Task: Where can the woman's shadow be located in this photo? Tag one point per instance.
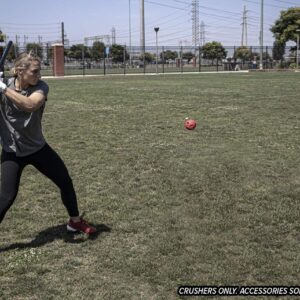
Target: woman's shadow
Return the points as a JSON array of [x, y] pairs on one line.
[[57, 233]]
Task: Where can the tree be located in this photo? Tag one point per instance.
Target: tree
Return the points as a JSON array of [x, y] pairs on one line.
[[285, 27], [188, 55], [35, 48], [278, 50], [12, 52], [97, 51], [214, 50], [149, 57], [117, 53], [243, 53], [266, 56], [169, 55], [76, 52], [2, 37]]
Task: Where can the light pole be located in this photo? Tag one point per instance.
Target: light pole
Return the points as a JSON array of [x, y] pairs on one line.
[[142, 20], [297, 51], [261, 37], [129, 34], [156, 31]]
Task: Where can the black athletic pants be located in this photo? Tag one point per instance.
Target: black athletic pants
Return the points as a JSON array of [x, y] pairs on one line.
[[47, 162]]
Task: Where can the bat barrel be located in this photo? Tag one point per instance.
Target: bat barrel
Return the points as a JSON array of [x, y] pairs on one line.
[[4, 55]]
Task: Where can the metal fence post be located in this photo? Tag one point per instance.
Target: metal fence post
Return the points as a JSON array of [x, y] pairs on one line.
[[267, 59], [83, 63], [144, 61], [181, 62], [124, 59], [163, 58], [104, 58], [47, 53], [199, 59]]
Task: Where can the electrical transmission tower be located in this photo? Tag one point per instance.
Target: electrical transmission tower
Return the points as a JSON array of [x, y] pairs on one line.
[[244, 28], [113, 36], [195, 22], [202, 34]]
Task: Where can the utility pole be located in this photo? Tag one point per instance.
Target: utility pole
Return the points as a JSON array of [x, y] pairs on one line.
[[62, 33], [244, 28], [261, 37], [129, 33], [142, 20]]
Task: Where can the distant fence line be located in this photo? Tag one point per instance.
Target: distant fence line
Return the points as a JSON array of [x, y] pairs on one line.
[[161, 59]]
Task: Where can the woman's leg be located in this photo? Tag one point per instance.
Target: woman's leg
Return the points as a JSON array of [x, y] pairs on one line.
[[48, 162], [11, 170]]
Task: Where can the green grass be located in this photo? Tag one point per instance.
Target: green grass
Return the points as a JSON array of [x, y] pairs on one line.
[[218, 205]]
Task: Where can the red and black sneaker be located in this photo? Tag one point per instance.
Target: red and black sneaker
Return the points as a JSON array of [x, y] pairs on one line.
[[81, 226]]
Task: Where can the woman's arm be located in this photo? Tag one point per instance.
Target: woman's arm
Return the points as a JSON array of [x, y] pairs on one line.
[[28, 104]]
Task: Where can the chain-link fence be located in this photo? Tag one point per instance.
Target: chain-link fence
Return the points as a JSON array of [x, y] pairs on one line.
[[118, 59], [125, 60]]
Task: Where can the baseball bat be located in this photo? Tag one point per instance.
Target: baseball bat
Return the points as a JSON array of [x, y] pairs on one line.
[[5, 53]]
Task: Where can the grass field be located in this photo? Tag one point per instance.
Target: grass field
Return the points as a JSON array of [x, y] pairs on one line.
[[218, 205]]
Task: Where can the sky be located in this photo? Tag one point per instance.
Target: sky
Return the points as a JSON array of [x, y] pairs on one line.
[[36, 20]]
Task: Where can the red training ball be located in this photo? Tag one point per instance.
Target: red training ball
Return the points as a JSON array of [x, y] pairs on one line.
[[190, 124]]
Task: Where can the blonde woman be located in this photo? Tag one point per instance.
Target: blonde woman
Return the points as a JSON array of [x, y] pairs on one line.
[[22, 104]]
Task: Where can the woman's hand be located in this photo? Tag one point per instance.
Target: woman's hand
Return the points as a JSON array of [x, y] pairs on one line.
[[3, 87]]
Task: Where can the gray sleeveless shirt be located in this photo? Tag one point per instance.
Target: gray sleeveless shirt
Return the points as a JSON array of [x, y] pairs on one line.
[[21, 131]]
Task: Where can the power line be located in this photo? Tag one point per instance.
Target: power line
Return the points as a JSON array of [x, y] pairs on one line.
[[224, 16], [166, 20], [184, 2], [165, 5], [19, 24], [270, 5], [288, 2], [36, 33]]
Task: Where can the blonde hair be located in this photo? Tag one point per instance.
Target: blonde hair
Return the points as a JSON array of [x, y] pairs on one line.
[[23, 62]]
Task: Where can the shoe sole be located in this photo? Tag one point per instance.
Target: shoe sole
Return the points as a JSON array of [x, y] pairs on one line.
[[71, 229]]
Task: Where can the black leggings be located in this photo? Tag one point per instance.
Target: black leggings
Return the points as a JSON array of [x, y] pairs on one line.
[[47, 162]]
